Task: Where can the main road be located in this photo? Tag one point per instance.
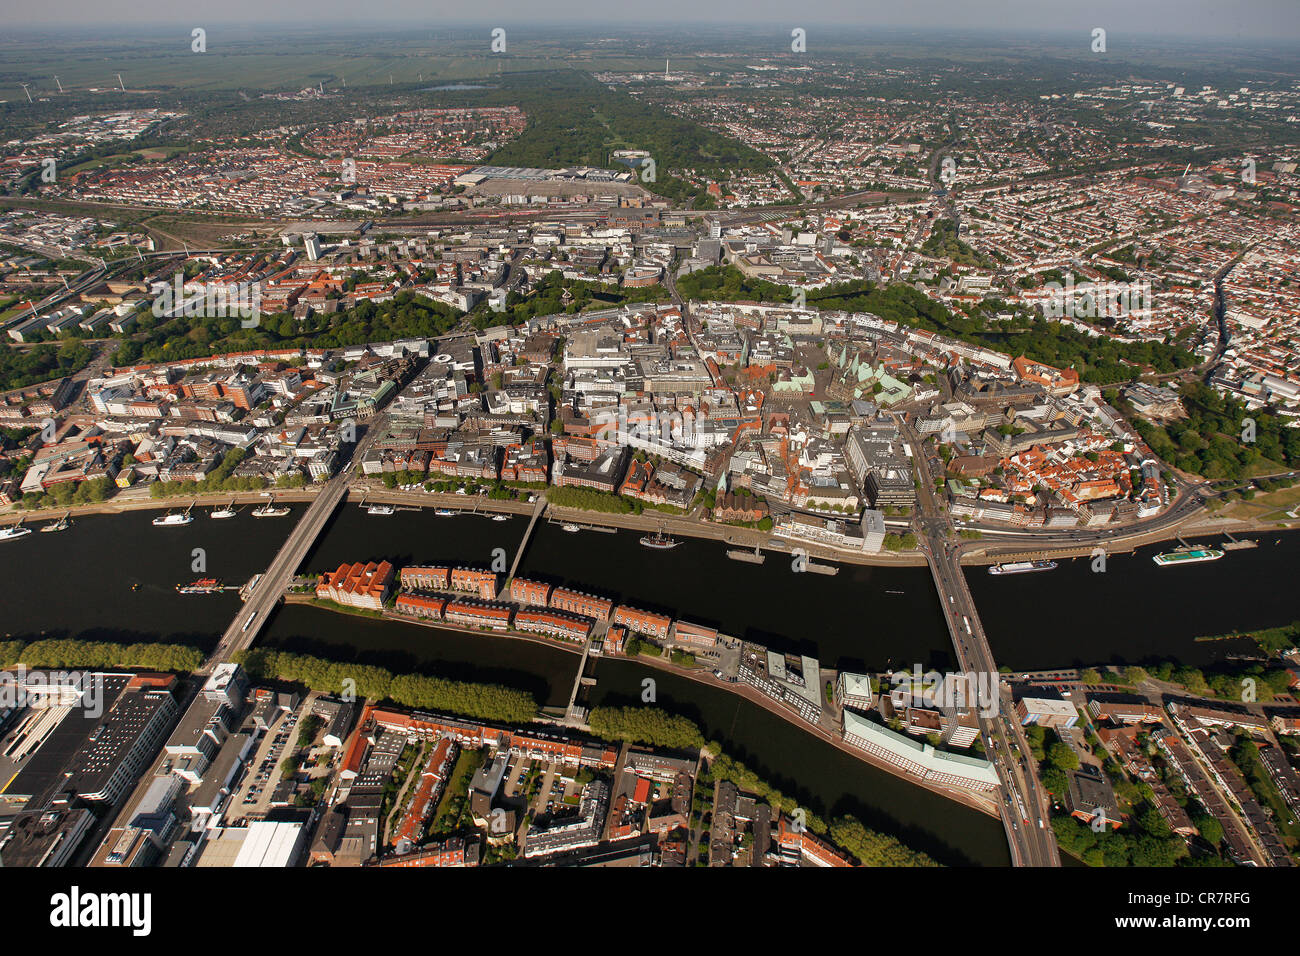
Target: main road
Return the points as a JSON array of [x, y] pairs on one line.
[[1024, 807]]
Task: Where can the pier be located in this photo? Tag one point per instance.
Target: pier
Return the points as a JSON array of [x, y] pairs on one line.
[[584, 525]]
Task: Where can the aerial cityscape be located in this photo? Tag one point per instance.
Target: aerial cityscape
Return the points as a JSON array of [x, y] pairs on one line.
[[513, 445]]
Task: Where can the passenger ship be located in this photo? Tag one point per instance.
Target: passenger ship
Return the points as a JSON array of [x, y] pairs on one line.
[[1022, 567]]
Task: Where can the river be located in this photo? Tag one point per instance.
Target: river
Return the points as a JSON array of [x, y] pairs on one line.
[[78, 583]]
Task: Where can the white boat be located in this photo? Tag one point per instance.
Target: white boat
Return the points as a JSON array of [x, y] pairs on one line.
[[1187, 555], [444, 512], [1022, 567], [269, 510], [381, 510], [571, 528], [500, 517], [14, 531], [227, 512], [172, 520]]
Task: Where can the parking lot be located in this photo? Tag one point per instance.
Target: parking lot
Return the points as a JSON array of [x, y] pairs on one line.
[[253, 798]]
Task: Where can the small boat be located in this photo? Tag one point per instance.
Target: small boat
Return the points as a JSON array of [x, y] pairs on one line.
[[1022, 567], [227, 512], [269, 510], [171, 520], [659, 541], [444, 512], [381, 510], [63, 524], [500, 517], [571, 528], [14, 531], [201, 586]]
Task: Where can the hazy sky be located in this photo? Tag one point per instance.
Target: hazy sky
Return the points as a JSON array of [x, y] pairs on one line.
[[1277, 20]]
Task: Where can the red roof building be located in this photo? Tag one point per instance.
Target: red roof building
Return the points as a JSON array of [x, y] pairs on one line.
[[421, 605], [571, 627], [358, 585], [575, 602]]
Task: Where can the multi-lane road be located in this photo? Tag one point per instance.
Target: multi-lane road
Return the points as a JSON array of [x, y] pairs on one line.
[[1023, 805]]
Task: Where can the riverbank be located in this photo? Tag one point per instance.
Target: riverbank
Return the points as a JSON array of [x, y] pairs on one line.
[[984, 551], [982, 803], [123, 503]]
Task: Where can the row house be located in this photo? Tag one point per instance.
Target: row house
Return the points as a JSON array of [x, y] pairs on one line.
[[472, 613], [482, 583], [576, 602], [643, 622], [421, 605], [555, 623], [525, 592]]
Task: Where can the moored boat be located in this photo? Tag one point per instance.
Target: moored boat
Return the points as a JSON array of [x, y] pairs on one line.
[[63, 524], [659, 541], [1188, 555], [1022, 567], [201, 586], [171, 520], [14, 531]]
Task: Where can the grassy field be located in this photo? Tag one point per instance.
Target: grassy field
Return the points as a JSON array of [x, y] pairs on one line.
[[1270, 506]]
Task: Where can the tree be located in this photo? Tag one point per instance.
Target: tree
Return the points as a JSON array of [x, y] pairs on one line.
[[1062, 756]]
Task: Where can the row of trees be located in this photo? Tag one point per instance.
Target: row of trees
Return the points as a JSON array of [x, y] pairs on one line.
[[66, 652], [1225, 681], [221, 478], [69, 494], [481, 701], [589, 499], [647, 725]]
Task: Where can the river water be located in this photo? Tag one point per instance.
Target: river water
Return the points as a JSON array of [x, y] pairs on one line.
[[78, 583]]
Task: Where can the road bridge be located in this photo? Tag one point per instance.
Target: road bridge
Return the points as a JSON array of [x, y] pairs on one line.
[[1023, 807], [266, 594]]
